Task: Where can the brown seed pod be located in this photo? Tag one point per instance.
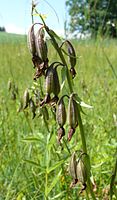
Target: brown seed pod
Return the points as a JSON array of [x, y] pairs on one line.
[[72, 112], [31, 40], [72, 166], [56, 84], [72, 54], [72, 116], [41, 46], [61, 112], [49, 82], [81, 171], [25, 99], [81, 174]]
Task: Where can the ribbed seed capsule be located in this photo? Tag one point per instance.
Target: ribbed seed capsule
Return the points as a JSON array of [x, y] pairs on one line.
[[72, 58], [61, 113], [72, 54], [56, 88], [81, 172], [31, 40], [49, 82], [72, 114], [41, 45], [72, 166], [25, 99]]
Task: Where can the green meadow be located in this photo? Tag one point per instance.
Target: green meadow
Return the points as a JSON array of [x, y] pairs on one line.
[[33, 166]]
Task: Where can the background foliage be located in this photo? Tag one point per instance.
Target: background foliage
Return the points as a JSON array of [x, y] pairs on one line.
[[32, 164], [90, 16]]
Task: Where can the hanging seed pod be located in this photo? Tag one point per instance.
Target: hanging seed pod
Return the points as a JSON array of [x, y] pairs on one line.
[[25, 99], [41, 46], [49, 83], [32, 107], [72, 166], [81, 174], [31, 41], [61, 118], [72, 116], [56, 82], [61, 112], [72, 58]]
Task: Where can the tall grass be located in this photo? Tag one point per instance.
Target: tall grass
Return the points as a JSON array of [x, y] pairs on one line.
[[31, 163]]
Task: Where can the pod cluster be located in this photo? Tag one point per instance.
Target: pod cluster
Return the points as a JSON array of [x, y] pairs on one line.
[[38, 49], [72, 112], [77, 170]]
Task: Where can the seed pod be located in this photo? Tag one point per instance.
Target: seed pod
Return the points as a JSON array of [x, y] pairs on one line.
[[72, 166], [72, 54], [31, 40], [81, 171], [25, 99], [72, 116], [41, 46], [61, 112], [49, 82], [72, 113], [72, 58], [56, 88]]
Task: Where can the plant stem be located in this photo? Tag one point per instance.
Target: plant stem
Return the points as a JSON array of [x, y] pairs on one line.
[[58, 49]]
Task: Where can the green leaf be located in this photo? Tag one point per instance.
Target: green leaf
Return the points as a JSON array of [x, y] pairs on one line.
[[32, 139], [54, 34], [55, 180], [58, 195], [34, 163], [79, 101], [55, 166]]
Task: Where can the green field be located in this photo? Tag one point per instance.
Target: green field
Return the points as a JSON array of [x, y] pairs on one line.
[[32, 164]]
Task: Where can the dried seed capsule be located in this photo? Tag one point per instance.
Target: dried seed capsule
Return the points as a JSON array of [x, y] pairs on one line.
[[56, 82], [81, 174], [81, 171], [25, 99], [41, 46], [32, 107], [61, 118], [61, 112], [72, 54], [49, 83], [31, 40], [72, 116], [72, 166], [72, 112], [72, 58]]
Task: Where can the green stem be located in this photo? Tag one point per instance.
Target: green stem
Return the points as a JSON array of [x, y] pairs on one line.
[[58, 49]]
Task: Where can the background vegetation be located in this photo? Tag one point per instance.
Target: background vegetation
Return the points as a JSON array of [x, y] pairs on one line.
[[32, 164], [94, 17]]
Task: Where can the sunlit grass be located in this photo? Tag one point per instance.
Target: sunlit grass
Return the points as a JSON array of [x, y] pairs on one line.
[[28, 152]]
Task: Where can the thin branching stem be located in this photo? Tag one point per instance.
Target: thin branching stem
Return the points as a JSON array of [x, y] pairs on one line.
[[59, 51]]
